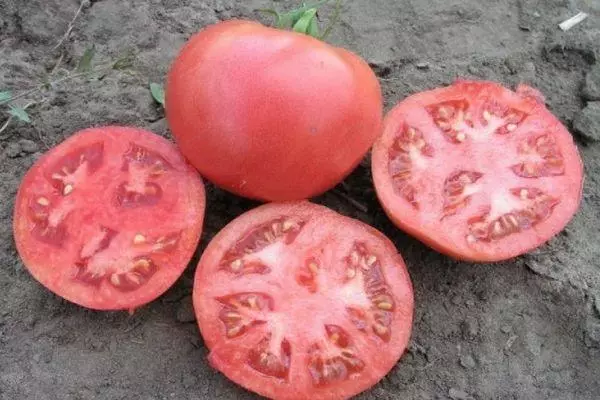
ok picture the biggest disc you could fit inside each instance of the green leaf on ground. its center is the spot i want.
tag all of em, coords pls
(19, 113)
(158, 92)
(85, 63)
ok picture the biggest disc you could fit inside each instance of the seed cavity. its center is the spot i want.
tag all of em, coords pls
(458, 190)
(550, 159)
(271, 358)
(409, 151)
(281, 230)
(453, 118)
(537, 207)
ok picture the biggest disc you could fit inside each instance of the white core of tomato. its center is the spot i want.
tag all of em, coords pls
(93, 244)
(269, 255)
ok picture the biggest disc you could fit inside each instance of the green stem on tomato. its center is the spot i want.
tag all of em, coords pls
(304, 20)
(307, 19)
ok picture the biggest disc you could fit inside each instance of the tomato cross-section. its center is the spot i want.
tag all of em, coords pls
(477, 171)
(296, 301)
(109, 218)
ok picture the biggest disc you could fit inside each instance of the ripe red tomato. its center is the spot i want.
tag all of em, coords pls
(296, 301)
(109, 218)
(270, 114)
(477, 171)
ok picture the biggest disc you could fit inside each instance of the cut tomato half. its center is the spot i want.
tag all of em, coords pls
(296, 301)
(109, 218)
(477, 171)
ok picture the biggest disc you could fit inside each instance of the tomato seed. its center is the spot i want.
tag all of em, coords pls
(384, 306)
(252, 302)
(67, 189)
(380, 329)
(314, 268)
(511, 127)
(115, 280)
(233, 316)
(461, 137)
(524, 194)
(233, 331)
(287, 225)
(371, 260)
(487, 116)
(350, 273)
(236, 265)
(139, 239)
(42, 201)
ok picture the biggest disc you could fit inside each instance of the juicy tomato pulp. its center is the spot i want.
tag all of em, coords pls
(477, 171)
(295, 301)
(109, 218)
(270, 114)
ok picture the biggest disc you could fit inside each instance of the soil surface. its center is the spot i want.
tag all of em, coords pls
(524, 329)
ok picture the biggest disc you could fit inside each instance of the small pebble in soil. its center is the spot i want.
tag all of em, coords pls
(13, 150)
(380, 68)
(587, 122)
(185, 312)
(506, 329)
(457, 394)
(528, 72)
(469, 328)
(28, 146)
(592, 331)
(467, 361)
(591, 89)
(422, 65)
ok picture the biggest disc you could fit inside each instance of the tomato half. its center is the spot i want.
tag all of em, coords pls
(109, 218)
(296, 301)
(270, 114)
(477, 171)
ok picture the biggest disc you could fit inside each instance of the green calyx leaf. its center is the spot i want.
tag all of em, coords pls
(307, 20)
(304, 19)
(158, 93)
(19, 113)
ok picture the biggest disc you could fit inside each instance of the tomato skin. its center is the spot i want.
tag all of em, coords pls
(55, 267)
(529, 100)
(228, 355)
(270, 114)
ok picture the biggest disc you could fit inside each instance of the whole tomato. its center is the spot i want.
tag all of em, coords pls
(271, 114)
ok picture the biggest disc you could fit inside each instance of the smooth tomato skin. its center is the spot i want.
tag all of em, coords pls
(436, 236)
(54, 267)
(270, 114)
